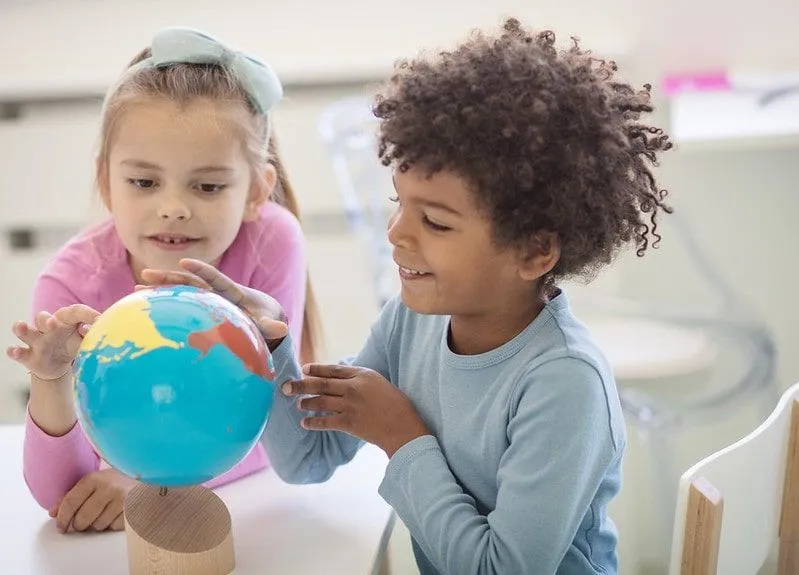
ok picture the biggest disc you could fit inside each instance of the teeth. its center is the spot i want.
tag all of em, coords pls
(171, 240)
(412, 272)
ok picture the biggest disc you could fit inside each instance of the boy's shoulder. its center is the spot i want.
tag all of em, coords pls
(567, 366)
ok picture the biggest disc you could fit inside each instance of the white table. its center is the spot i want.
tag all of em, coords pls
(334, 528)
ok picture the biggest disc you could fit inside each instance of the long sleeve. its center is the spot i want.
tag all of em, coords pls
(560, 450)
(52, 465)
(302, 456)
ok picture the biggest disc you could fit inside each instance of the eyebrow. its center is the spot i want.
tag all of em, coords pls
(430, 203)
(438, 206)
(150, 166)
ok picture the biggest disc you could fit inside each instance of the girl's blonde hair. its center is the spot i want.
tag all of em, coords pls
(183, 83)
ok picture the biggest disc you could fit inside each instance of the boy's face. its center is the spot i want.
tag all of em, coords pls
(448, 263)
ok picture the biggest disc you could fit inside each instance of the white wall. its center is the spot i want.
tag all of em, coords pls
(83, 44)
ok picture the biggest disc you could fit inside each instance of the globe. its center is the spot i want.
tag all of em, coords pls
(173, 385)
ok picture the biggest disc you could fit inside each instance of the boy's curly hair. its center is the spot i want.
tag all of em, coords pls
(550, 142)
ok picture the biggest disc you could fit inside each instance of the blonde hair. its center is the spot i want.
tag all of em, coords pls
(183, 83)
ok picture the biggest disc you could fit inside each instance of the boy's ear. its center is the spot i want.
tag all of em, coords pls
(260, 192)
(538, 259)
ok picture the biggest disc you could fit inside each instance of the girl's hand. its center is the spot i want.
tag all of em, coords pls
(358, 401)
(263, 309)
(50, 345)
(95, 503)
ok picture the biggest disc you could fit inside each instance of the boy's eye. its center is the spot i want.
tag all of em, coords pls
(211, 188)
(142, 183)
(394, 199)
(434, 226)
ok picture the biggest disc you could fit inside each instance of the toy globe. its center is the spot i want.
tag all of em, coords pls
(173, 387)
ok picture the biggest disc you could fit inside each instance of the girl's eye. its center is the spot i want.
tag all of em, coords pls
(211, 188)
(142, 183)
(434, 226)
(394, 199)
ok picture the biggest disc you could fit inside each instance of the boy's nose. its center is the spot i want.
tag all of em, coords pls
(398, 235)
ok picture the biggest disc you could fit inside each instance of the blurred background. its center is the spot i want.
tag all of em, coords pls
(702, 333)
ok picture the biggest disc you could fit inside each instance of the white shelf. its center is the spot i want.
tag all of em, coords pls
(738, 118)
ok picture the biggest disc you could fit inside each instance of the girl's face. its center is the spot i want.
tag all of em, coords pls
(178, 182)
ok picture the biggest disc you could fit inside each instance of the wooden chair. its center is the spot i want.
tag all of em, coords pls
(735, 504)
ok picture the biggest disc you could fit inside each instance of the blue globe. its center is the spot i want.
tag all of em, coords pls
(173, 385)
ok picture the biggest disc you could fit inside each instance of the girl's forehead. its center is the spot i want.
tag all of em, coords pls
(159, 127)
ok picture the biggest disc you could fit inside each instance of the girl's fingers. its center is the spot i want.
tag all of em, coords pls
(75, 315)
(119, 523)
(19, 354)
(25, 333)
(41, 320)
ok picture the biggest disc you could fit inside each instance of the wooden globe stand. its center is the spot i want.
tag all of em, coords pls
(184, 531)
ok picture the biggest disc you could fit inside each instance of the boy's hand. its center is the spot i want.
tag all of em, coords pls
(263, 309)
(95, 503)
(358, 401)
(53, 341)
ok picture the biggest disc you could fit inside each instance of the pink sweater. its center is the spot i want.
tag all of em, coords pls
(92, 268)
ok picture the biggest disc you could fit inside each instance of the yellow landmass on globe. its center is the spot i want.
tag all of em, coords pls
(128, 328)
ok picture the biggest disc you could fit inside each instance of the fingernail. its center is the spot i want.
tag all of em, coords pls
(286, 388)
(306, 369)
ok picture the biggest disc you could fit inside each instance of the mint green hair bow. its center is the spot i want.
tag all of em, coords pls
(188, 46)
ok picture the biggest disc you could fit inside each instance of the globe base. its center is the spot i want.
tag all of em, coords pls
(178, 531)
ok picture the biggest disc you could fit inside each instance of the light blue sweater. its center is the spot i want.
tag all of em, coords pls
(525, 451)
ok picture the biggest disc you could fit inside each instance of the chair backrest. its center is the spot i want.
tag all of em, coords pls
(733, 505)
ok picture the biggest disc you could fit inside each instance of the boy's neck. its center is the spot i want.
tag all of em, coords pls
(474, 334)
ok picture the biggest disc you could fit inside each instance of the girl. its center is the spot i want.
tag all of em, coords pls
(187, 166)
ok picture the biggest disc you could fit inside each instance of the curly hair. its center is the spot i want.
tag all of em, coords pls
(549, 141)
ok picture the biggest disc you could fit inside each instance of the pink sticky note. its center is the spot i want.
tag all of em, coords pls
(701, 82)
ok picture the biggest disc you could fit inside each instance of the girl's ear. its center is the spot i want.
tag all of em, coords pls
(260, 192)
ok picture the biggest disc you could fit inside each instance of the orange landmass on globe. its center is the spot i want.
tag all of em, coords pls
(252, 355)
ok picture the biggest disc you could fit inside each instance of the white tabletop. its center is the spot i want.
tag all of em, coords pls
(334, 527)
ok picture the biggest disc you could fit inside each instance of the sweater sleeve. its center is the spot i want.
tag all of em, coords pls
(51, 465)
(560, 449)
(306, 456)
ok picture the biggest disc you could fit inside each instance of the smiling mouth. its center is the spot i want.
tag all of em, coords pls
(412, 273)
(176, 240)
